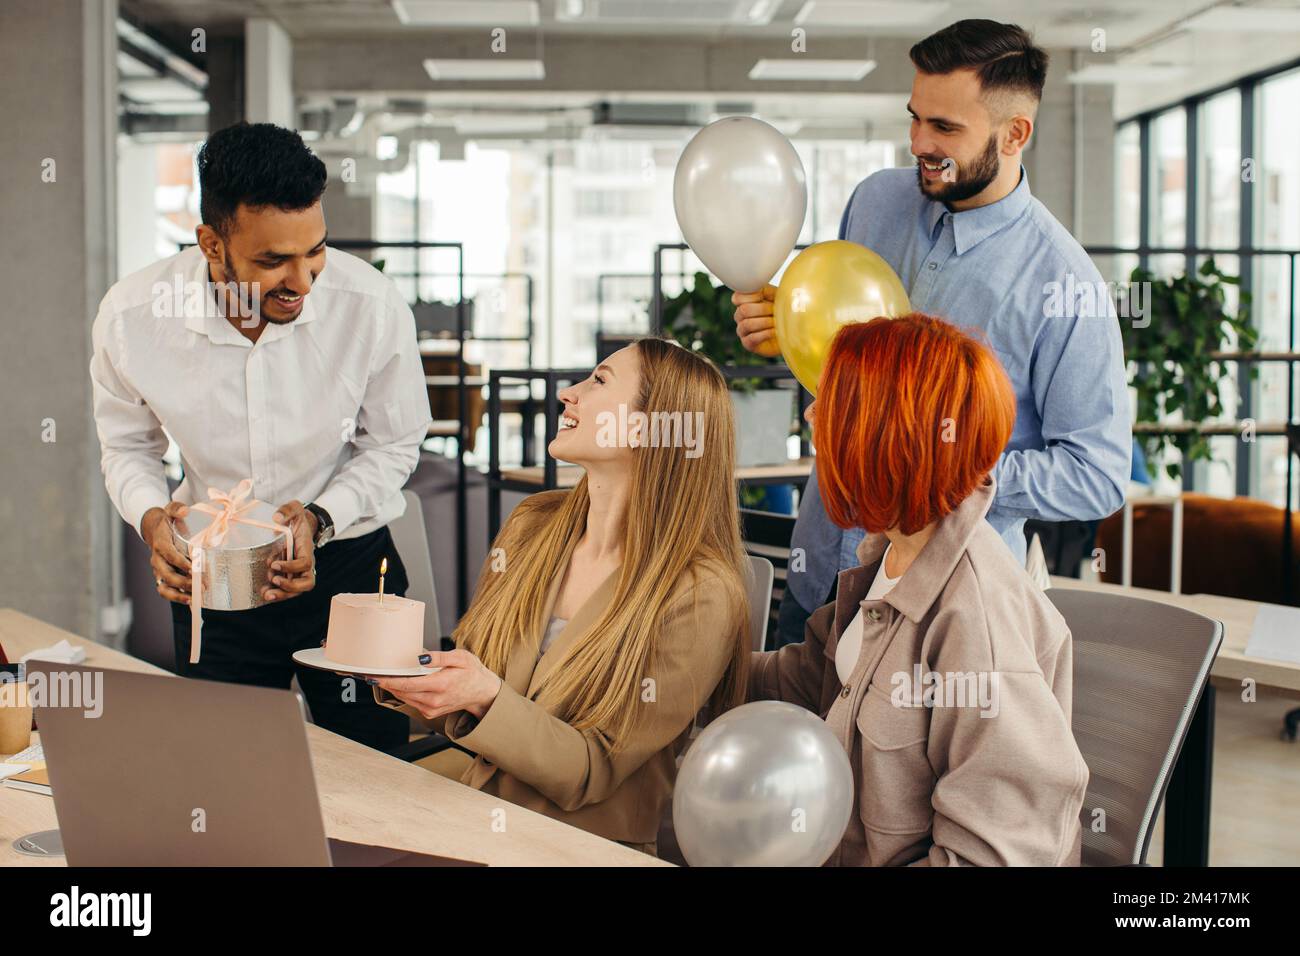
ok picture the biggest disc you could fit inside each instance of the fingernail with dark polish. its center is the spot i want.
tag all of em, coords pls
(425, 658)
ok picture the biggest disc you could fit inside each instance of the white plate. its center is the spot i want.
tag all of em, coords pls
(315, 657)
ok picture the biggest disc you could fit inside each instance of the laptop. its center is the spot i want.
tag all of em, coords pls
(156, 770)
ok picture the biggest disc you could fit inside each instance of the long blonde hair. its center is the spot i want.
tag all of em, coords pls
(682, 518)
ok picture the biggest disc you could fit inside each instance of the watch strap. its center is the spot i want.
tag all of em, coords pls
(324, 524)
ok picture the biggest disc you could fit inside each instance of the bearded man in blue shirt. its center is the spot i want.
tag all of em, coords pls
(973, 245)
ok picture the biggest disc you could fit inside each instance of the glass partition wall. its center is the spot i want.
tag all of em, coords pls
(1221, 171)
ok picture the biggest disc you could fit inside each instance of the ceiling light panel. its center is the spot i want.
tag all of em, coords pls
(466, 13)
(669, 12)
(852, 13)
(804, 68)
(484, 70)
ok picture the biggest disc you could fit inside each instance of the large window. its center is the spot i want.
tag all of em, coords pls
(582, 219)
(1218, 178)
(1277, 226)
(1128, 202)
(1168, 225)
(1218, 226)
(1223, 191)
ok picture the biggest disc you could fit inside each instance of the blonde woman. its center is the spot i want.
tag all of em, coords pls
(606, 616)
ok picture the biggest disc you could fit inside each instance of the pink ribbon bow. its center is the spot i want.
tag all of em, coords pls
(234, 509)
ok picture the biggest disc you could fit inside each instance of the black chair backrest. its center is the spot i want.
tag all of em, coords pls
(767, 535)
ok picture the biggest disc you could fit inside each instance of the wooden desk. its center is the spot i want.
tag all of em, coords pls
(1187, 798)
(1233, 665)
(366, 796)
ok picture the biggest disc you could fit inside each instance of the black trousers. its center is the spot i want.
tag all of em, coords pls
(256, 646)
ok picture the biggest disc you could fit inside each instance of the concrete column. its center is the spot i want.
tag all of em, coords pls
(347, 215)
(225, 81)
(268, 74)
(137, 233)
(1094, 152)
(1071, 160)
(58, 109)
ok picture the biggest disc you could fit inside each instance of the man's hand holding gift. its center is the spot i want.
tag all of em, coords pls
(291, 578)
(171, 569)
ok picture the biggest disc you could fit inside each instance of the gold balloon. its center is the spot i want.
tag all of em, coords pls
(828, 285)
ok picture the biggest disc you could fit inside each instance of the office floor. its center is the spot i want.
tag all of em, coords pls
(1255, 807)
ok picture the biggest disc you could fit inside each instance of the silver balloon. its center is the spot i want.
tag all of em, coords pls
(740, 194)
(766, 784)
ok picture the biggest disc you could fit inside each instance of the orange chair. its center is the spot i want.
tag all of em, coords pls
(1231, 546)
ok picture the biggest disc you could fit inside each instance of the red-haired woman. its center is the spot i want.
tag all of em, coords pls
(941, 666)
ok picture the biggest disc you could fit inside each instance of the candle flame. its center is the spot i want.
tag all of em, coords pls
(383, 566)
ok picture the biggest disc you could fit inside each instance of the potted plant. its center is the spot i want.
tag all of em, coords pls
(1171, 350)
(702, 319)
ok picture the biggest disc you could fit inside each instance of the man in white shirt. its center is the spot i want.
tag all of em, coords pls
(265, 357)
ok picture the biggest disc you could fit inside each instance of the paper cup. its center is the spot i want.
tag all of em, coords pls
(15, 717)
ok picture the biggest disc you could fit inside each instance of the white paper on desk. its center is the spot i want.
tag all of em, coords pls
(60, 653)
(9, 769)
(1276, 634)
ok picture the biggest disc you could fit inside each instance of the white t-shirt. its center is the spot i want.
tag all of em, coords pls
(553, 630)
(850, 643)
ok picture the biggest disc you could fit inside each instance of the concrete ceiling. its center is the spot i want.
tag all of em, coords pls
(694, 56)
(1056, 23)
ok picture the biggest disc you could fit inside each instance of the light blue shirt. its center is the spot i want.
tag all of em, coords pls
(1014, 274)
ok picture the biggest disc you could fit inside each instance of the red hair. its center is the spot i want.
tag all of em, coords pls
(912, 414)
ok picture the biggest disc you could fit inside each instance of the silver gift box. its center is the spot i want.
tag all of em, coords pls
(235, 571)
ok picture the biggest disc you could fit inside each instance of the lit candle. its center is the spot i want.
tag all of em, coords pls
(383, 569)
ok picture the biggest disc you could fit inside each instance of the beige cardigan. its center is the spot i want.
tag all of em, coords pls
(530, 757)
(943, 785)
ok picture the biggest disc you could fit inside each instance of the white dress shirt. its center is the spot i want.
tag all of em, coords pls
(329, 408)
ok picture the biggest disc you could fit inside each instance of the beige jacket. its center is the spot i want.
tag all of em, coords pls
(530, 757)
(943, 785)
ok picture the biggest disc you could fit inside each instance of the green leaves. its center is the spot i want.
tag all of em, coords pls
(1170, 355)
(702, 318)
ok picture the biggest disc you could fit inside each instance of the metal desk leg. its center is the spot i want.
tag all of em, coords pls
(527, 425)
(494, 457)
(1187, 799)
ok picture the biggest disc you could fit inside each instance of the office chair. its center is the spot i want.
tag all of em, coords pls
(1139, 671)
(767, 535)
(759, 592)
(412, 541)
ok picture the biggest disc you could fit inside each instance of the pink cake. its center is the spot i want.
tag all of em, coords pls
(368, 635)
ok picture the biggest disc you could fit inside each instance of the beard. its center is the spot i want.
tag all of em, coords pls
(250, 308)
(973, 181)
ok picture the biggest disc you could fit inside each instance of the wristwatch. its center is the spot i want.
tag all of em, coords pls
(324, 524)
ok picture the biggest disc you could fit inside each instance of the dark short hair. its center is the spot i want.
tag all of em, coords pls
(1002, 55)
(256, 164)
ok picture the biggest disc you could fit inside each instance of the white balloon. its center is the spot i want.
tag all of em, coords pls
(766, 784)
(740, 195)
